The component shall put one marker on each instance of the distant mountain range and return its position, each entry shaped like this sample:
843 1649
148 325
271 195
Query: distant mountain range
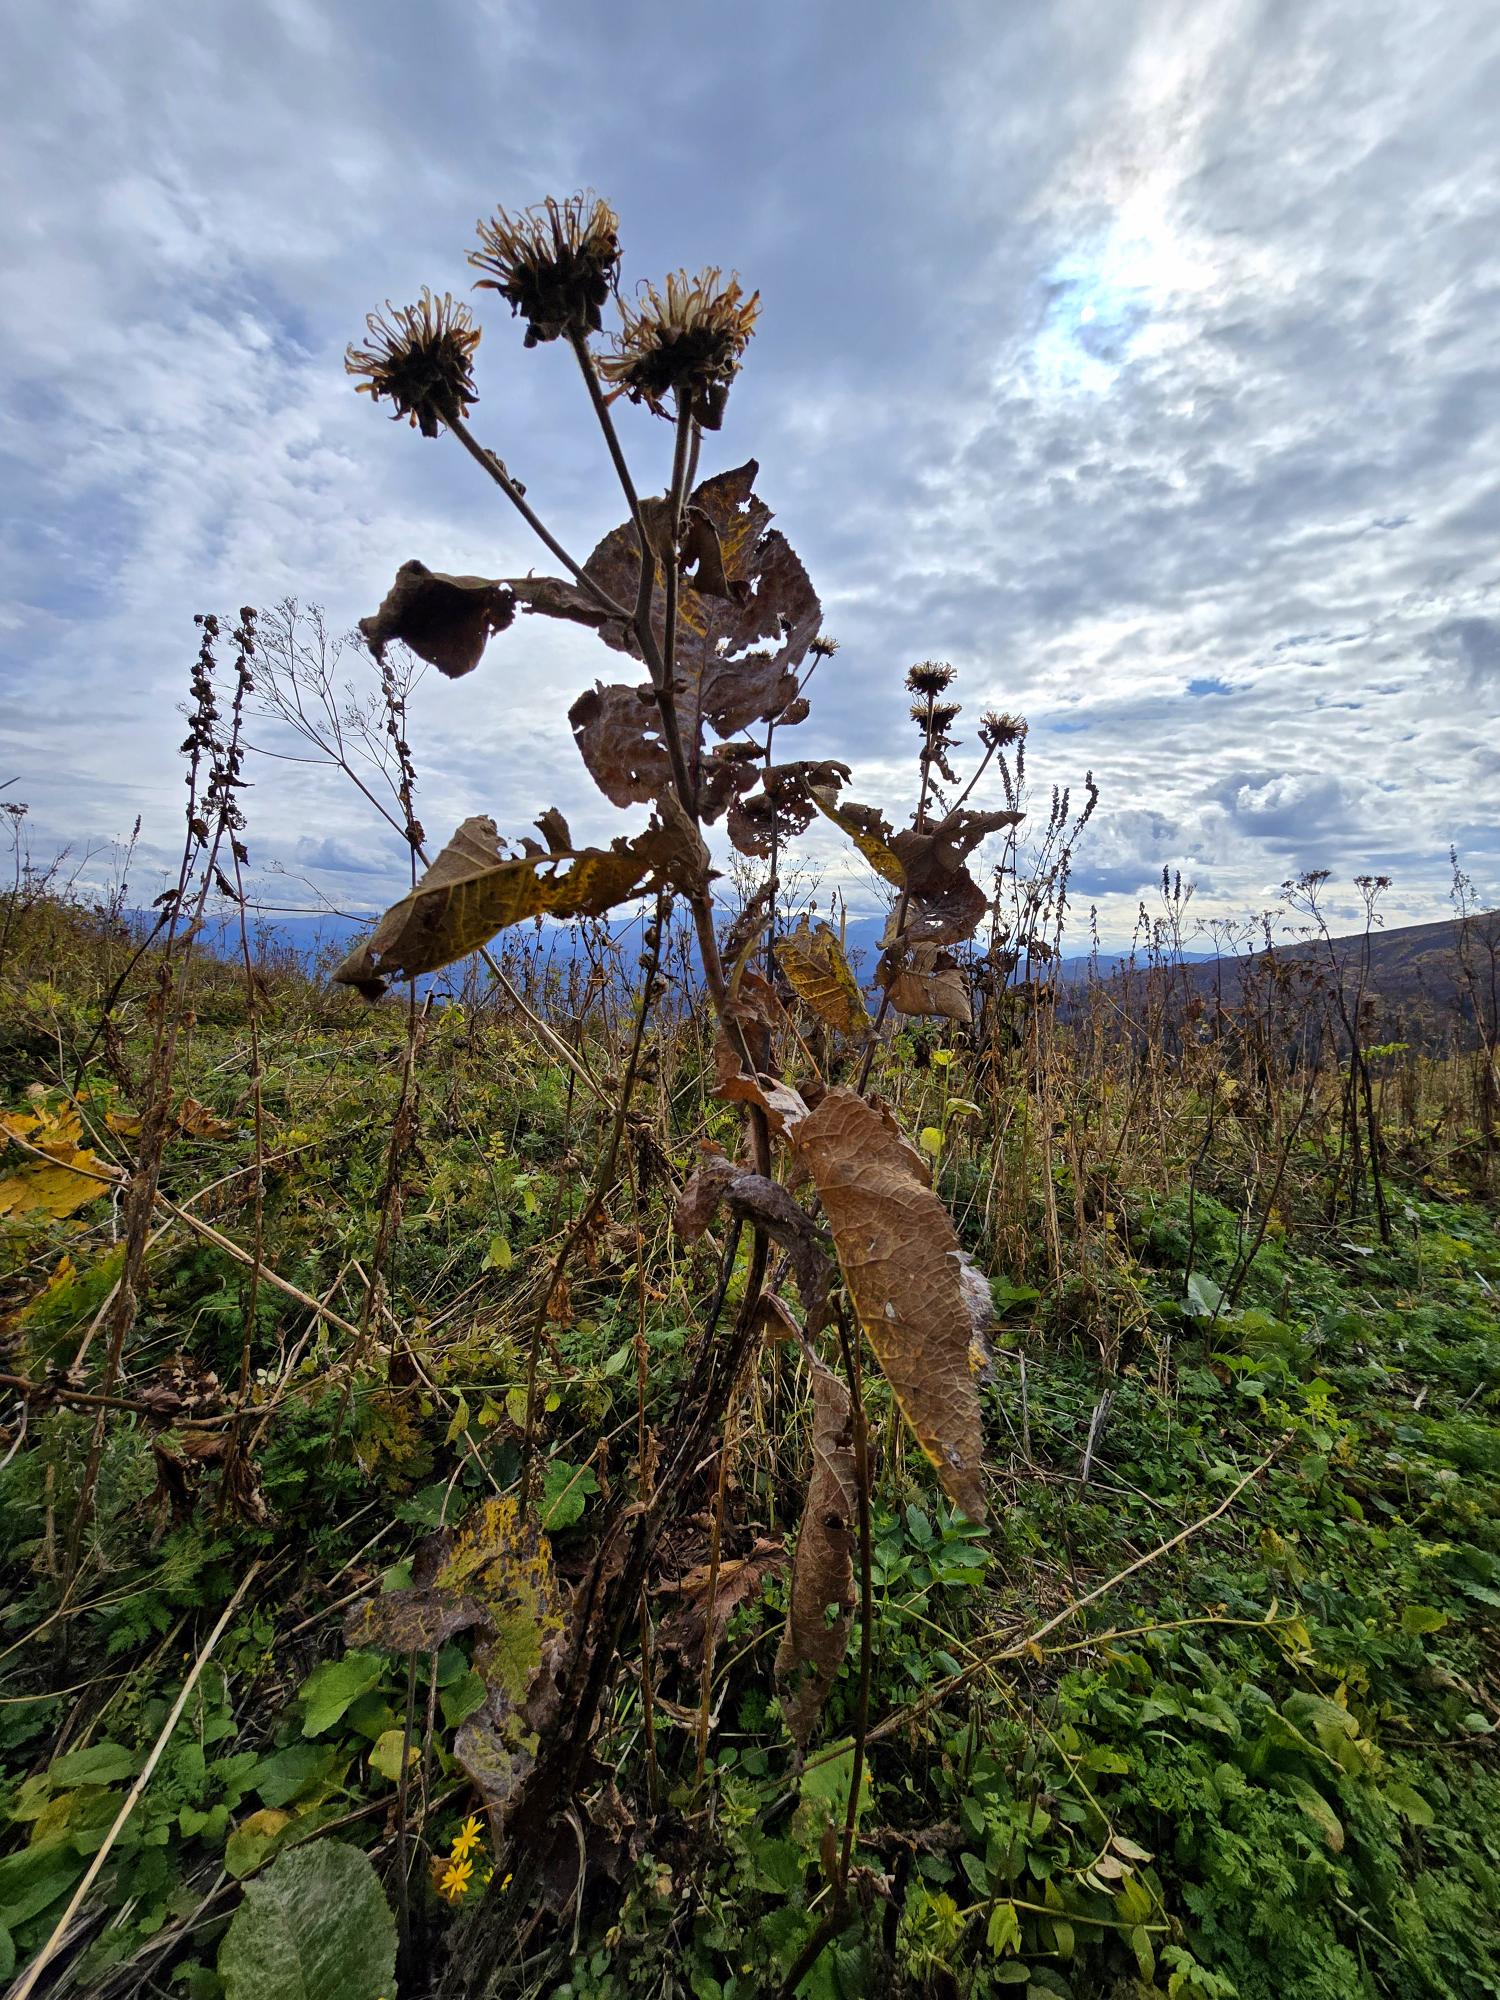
1412 968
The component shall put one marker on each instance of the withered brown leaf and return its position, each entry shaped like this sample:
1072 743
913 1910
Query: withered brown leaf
686 1630
718 1182
813 1645
944 904
900 1258
742 1054
813 960
745 620
783 807
473 889
446 620
929 981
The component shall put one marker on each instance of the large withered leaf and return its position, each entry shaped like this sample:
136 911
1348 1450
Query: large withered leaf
929 981
783 807
701 1617
742 1074
944 904
446 620
901 1261
618 733
819 974
496 1576
813 1645
718 1182
506 1562
473 890
745 620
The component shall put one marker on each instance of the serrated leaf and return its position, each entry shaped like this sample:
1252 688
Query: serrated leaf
901 1261
819 974
473 890
314 1926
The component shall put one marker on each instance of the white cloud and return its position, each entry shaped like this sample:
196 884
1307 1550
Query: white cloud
1108 353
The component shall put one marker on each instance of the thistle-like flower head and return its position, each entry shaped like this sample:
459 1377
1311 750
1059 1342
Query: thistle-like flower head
422 357
687 341
930 677
998 732
555 263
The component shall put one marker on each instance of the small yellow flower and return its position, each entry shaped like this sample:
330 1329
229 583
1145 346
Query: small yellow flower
468 1837
455 1882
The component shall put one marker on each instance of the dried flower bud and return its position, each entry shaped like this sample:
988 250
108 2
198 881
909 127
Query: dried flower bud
998 732
688 343
555 263
930 677
422 357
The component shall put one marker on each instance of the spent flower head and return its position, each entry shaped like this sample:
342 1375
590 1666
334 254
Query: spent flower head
422 357
930 677
998 732
686 342
556 264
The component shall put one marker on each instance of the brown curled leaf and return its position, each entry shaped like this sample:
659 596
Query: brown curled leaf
929 981
784 806
446 620
719 1183
742 1073
473 890
819 974
901 1262
943 902
813 1645
699 1621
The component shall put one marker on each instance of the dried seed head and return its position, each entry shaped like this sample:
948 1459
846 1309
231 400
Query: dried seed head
823 648
555 263
998 732
688 342
422 357
930 677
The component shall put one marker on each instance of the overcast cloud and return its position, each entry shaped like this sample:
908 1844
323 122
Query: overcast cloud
1141 360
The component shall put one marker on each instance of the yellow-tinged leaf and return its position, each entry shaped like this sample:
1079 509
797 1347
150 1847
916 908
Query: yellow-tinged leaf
57 1190
473 890
868 829
820 976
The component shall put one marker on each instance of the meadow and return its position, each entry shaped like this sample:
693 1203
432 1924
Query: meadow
705 1465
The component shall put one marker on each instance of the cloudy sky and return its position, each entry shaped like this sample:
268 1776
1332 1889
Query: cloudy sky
1139 359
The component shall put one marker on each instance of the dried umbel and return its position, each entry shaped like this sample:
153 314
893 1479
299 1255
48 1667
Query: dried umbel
422 357
687 344
555 263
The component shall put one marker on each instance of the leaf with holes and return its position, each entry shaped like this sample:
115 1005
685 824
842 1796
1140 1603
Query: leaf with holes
473 890
819 974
